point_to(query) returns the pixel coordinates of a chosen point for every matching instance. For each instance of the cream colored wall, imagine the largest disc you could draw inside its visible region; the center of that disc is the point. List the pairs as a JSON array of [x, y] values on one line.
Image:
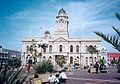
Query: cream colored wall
[[66, 48]]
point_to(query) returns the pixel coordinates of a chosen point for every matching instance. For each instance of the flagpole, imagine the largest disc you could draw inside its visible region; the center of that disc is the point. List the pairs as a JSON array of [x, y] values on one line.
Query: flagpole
[[30, 30]]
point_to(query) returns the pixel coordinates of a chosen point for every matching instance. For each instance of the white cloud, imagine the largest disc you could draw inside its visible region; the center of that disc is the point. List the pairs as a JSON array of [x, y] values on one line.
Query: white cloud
[[94, 15]]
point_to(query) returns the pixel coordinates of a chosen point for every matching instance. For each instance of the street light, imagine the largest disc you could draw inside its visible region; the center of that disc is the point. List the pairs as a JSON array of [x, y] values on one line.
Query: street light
[[42, 45], [13, 56], [67, 58], [80, 60]]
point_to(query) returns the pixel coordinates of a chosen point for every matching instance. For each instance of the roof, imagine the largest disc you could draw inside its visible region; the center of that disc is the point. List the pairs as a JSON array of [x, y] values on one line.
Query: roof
[[113, 54]]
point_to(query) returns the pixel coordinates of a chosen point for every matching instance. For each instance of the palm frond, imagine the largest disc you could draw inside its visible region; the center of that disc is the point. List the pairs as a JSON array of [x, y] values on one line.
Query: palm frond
[[118, 31], [113, 40], [118, 16], [43, 67], [14, 76]]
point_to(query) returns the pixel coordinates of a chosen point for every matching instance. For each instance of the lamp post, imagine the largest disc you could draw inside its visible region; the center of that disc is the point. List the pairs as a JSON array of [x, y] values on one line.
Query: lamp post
[[68, 58], [98, 55], [42, 45], [80, 59]]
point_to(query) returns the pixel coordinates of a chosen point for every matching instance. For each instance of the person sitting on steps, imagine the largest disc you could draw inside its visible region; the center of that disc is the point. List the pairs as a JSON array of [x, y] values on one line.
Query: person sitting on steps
[[62, 77]]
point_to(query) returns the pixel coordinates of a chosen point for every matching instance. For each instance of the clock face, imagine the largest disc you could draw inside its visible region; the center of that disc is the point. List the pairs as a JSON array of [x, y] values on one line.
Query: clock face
[[61, 24]]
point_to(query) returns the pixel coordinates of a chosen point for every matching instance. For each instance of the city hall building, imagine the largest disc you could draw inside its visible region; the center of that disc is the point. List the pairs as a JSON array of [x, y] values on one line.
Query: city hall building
[[73, 49]]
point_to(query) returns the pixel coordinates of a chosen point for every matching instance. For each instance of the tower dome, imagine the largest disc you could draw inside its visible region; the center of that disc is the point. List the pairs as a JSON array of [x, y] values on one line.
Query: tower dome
[[47, 32], [62, 11]]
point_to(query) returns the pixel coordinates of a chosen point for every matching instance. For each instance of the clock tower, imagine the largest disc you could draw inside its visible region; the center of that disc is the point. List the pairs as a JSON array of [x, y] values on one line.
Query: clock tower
[[62, 24]]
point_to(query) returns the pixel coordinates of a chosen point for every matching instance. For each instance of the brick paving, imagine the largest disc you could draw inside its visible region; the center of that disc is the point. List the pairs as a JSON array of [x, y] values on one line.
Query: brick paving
[[83, 77]]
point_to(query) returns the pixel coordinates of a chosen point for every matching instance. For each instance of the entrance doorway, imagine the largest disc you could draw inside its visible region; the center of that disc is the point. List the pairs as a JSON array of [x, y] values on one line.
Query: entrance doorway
[[71, 60]]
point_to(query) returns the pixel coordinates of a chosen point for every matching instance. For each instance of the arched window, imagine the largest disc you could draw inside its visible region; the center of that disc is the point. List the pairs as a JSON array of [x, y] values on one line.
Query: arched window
[[91, 60], [95, 59], [71, 60], [95, 46], [50, 58], [60, 48], [44, 58], [44, 49], [27, 49], [50, 48], [86, 61], [77, 48], [71, 48]]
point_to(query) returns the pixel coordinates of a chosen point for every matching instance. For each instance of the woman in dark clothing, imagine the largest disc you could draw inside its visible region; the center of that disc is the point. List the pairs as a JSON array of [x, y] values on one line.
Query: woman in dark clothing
[[97, 67]]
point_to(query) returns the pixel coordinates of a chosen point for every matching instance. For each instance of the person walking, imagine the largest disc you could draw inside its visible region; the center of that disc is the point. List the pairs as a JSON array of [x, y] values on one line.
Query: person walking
[[97, 67], [69, 68], [28, 68]]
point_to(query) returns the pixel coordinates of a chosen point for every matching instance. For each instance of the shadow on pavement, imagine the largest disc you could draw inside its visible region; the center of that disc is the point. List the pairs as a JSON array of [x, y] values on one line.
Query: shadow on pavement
[[118, 78]]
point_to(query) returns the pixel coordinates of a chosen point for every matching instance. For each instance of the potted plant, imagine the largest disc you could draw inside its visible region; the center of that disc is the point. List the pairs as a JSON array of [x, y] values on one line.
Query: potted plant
[[43, 68]]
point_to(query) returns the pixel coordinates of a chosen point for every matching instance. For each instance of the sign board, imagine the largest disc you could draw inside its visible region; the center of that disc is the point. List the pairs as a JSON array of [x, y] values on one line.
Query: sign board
[[37, 81]]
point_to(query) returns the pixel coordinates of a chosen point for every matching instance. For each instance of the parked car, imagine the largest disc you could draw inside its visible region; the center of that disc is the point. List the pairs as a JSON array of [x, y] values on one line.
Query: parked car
[[103, 69]]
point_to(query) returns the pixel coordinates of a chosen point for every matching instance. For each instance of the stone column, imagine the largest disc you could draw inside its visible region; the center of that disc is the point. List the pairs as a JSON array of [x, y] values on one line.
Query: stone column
[[54, 59]]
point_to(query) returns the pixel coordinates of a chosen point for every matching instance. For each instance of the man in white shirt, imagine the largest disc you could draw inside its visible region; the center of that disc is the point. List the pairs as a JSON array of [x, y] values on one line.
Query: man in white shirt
[[62, 77], [51, 78]]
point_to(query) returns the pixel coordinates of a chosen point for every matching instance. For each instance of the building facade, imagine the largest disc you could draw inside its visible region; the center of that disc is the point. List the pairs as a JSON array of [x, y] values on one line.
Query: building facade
[[73, 49], [6, 55], [113, 56]]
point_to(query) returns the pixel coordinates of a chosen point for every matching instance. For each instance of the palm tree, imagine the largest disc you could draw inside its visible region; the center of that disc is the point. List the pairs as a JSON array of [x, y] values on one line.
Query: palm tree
[[92, 50], [113, 40], [61, 60], [33, 51]]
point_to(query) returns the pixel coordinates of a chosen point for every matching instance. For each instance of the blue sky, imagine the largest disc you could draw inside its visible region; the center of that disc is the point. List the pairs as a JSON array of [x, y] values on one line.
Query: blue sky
[[18, 17]]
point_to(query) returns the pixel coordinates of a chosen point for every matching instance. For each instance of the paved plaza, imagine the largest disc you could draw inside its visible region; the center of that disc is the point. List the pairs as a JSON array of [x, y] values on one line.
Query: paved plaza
[[83, 77], [80, 76]]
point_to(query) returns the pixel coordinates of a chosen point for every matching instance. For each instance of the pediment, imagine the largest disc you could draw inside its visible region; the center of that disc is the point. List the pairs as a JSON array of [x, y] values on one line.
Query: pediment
[[61, 39]]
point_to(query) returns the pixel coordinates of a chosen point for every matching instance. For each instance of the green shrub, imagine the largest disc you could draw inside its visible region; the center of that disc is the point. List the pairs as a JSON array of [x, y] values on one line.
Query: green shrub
[[43, 67], [101, 61], [15, 63], [10, 76], [114, 62], [61, 60]]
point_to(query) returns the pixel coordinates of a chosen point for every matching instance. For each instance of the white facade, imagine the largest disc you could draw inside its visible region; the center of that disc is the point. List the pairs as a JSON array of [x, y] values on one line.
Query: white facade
[[73, 49]]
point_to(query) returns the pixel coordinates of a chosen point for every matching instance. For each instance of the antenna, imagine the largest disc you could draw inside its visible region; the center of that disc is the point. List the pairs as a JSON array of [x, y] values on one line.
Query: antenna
[[41, 34], [30, 30], [46, 28], [41, 31], [92, 30], [83, 29]]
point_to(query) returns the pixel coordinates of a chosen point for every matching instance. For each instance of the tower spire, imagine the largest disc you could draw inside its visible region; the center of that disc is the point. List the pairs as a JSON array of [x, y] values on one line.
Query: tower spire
[[62, 5], [62, 24]]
